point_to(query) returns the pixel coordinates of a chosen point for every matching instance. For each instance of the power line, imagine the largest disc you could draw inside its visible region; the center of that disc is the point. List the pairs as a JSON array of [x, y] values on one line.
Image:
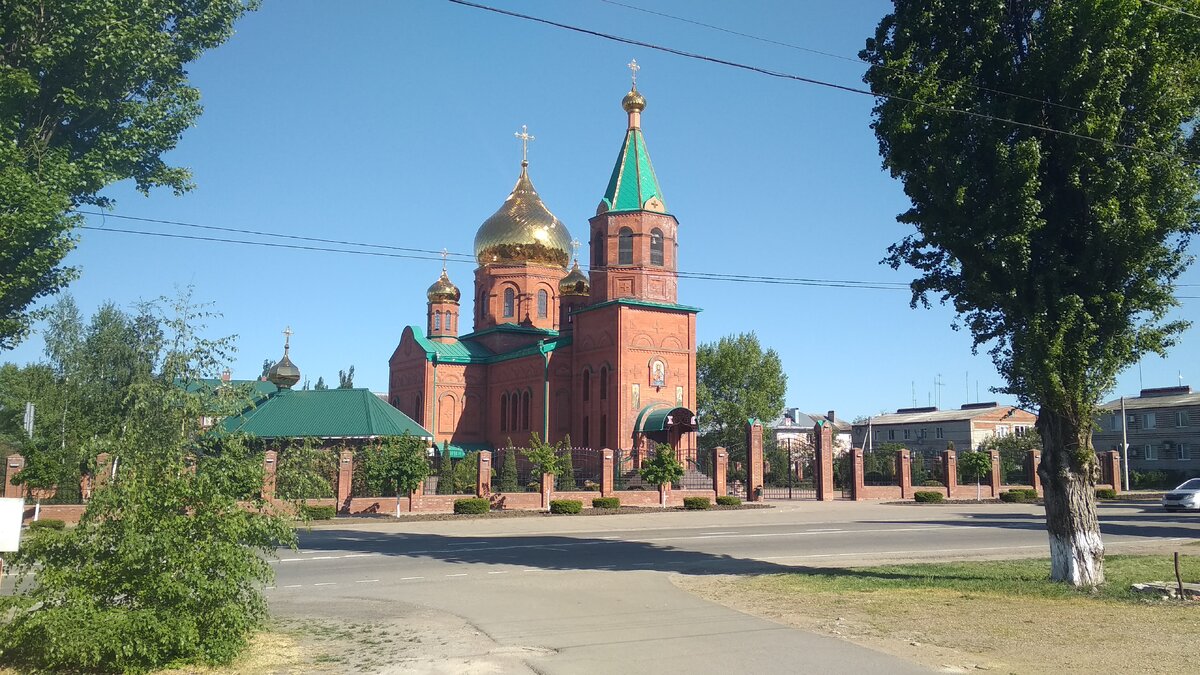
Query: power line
[[841, 57], [821, 83], [1159, 4]]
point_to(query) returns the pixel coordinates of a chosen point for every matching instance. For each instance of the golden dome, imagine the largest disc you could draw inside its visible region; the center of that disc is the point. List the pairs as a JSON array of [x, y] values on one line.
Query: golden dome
[[575, 283], [443, 290], [523, 230], [633, 101]]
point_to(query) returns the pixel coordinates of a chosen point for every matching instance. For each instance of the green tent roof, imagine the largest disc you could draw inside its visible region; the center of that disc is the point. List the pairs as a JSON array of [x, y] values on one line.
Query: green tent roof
[[633, 182], [327, 413], [467, 350]]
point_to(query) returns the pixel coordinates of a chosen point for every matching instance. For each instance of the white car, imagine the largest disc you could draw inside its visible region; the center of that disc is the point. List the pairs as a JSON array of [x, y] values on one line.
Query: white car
[[1186, 496]]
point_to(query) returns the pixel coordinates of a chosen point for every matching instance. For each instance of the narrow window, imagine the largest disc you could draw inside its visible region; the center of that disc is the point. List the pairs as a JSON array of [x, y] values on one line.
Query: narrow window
[[543, 304], [656, 247], [1151, 421], [939, 432], [598, 249], [1185, 451], [625, 246], [503, 412], [603, 385], [510, 299], [1181, 418], [437, 320], [587, 385], [419, 410], [906, 434], [587, 432], [891, 434], [604, 431], [525, 411], [1150, 452]]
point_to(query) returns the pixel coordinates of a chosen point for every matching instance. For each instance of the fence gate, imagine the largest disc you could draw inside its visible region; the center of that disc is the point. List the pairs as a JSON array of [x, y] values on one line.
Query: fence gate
[[796, 481]]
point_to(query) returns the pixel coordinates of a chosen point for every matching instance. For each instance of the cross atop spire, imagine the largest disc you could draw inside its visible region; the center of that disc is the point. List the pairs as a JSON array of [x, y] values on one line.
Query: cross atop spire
[[445, 253], [287, 339], [634, 68], [525, 137]]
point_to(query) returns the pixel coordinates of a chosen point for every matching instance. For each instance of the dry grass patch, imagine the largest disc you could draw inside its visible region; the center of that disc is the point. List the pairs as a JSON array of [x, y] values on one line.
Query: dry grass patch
[[999, 615]]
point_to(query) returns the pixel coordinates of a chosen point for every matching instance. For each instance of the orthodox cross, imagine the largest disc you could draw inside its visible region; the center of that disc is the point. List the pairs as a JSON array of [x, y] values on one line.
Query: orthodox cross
[[287, 338], [444, 254], [575, 248], [634, 67], [525, 137]]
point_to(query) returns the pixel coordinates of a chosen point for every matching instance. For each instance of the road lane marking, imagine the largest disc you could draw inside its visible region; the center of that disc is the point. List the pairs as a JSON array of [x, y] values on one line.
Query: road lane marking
[[293, 586], [461, 574], [498, 572], [923, 550], [366, 581], [410, 578], [711, 533], [326, 583]]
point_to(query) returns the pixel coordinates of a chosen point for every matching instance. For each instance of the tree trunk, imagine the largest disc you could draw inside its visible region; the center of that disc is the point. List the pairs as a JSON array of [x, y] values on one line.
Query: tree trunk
[[1068, 472]]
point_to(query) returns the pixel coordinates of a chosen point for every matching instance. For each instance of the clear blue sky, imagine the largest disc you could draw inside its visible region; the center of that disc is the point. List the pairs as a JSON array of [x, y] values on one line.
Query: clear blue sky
[[392, 123]]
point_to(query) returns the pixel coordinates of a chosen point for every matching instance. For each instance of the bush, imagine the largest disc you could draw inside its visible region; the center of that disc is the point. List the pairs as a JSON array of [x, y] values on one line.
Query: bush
[[1014, 496], [471, 506], [565, 506], [696, 503], [606, 503], [729, 500], [48, 524], [1106, 493], [929, 497], [317, 512]]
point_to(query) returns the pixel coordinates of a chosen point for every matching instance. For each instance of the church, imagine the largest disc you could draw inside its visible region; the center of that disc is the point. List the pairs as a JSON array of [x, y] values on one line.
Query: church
[[607, 358]]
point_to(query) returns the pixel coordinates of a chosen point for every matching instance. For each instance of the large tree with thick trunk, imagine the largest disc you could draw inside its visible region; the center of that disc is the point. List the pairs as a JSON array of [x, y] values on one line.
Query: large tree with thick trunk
[[1049, 149]]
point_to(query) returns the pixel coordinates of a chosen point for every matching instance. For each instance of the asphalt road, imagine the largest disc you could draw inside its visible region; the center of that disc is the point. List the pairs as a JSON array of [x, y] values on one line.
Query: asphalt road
[[593, 594]]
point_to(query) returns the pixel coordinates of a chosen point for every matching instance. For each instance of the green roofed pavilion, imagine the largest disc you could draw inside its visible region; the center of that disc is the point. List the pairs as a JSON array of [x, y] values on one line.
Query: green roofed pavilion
[[327, 413]]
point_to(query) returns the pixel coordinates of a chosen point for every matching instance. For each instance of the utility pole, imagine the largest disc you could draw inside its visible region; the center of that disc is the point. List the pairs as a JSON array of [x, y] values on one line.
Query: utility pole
[[1124, 444]]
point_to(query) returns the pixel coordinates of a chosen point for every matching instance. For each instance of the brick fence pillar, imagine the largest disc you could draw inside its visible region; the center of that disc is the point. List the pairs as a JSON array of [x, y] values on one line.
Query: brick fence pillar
[[1113, 459], [483, 477], [824, 461], [720, 468], [13, 463], [859, 479], [996, 477], [104, 470], [950, 466], [607, 473], [754, 460], [904, 471], [547, 489], [345, 477], [1034, 461], [270, 461]]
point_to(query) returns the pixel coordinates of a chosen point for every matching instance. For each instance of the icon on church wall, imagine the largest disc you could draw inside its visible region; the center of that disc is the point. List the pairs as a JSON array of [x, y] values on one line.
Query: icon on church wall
[[658, 373], [678, 397], [637, 396]]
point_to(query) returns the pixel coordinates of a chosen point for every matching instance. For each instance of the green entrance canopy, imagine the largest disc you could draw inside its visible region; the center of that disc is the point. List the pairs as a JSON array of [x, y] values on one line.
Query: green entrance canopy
[[659, 420]]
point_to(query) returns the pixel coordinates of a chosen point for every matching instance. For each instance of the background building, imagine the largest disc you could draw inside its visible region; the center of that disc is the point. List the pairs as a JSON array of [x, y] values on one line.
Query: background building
[[930, 429], [1163, 428]]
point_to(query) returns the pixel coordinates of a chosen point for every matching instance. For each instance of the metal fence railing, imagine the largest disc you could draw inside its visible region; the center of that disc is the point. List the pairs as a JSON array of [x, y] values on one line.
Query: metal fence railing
[[879, 467], [927, 468]]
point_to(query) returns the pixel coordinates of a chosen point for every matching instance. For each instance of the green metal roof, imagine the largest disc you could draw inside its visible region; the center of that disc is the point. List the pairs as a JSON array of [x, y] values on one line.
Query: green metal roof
[[258, 388], [327, 413], [467, 350], [656, 417], [630, 302], [633, 182]]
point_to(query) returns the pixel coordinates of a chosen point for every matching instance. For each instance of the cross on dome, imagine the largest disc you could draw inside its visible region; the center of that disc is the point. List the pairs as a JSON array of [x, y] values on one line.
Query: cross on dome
[[525, 137], [287, 338], [634, 68], [445, 253]]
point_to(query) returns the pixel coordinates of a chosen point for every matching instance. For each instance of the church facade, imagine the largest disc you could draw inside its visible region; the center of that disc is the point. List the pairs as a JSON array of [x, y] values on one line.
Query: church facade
[[607, 358]]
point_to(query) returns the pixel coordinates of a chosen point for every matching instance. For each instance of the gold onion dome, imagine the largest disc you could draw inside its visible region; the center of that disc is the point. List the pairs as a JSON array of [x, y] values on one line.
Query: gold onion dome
[[284, 374], [575, 283], [633, 101], [523, 230], [443, 290]]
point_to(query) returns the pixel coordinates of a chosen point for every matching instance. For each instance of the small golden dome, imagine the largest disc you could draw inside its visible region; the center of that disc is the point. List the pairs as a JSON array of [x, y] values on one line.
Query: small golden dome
[[633, 101], [443, 290], [575, 283], [523, 230]]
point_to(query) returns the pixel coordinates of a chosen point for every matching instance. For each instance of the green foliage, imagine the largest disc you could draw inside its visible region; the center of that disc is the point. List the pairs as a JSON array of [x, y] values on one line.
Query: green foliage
[[466, 474], [320, 385], [565, 506], [393, 465], [315, 512], [165, 565], [929, 497], [1014, 452], [1156, 480], [305, 470], [471, 506], [94, 93], [729, 500], [564, 480], [544, 457], [508, 471], [975, 464], [696, 503], [346, 378], [663, 468], [736, 380], [1018, 496], [445, 471], [1106, 493], [47, 524], [606, 503]]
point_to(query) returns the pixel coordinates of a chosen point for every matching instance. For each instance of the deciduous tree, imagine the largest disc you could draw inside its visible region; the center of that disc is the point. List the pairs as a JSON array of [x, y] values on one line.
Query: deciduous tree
[[736, 380], [1057, 235]]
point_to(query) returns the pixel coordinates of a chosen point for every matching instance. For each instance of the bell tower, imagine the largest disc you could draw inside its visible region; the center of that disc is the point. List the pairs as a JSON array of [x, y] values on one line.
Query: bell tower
[[442, 314], [634, 239]]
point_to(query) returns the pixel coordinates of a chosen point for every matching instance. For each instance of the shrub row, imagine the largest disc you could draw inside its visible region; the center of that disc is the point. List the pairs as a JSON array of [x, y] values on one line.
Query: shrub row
[[471, 506], [566, 506], [729, 500], [47, 524], [1106, 493], [1018, 496], [696, 503], [317, 512], [606, 503], [929, 497]]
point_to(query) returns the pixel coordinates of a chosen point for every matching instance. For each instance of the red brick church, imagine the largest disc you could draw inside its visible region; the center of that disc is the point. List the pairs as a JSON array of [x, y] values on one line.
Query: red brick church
[[608, 358]]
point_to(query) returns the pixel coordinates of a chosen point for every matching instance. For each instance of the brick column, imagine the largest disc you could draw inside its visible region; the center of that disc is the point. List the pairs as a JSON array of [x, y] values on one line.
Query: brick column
[[950, 466], [607, 473], [996, 477], [345, 477], [13, 463], [720, 467], [547, 489], [754, 460], [824, 462], [1035, 460], [859, 480], [1113, 458], [483, 477], [270, 461], [904, 471]]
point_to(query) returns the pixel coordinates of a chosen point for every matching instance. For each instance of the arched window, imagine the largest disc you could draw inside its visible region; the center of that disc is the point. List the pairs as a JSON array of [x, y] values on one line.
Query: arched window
[[503, 412], [446, 321], [587, 432], [525, 411], [625, 246], [437, 320], [419, 410], [587, 385], [598, 249], [543, 304], [514, 402], [604, 431], [603, 383], [656, 247], [510, 300]]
